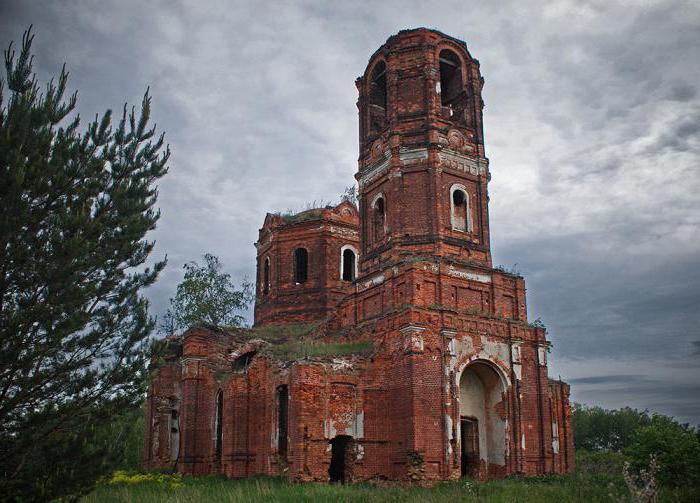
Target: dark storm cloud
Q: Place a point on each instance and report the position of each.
(696, 347)
(618, 379)
(592, 120)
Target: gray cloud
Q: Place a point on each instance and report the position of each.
(592, 119)
(606, 379)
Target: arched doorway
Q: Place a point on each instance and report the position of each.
(482, 429)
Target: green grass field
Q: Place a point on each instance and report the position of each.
(213, 489)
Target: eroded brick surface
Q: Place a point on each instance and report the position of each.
(413, 362)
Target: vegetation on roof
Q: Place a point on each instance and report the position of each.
(278, 334)
(313, 211)
(295, 350)
(293, 341)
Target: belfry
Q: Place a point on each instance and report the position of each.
(385, 343)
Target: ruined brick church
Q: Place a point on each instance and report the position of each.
(385, 343)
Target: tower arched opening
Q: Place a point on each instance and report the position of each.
(378, 219)
(459, 209)
(450, 77)
(482, 427)
(377, 98)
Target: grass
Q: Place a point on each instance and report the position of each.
(585, 488)
(294, 341)
(299, 349)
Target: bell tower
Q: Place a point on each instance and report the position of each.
(422, 169)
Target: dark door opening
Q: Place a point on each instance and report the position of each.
(469, 428)
(339, 451)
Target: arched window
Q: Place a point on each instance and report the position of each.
(266, 276)
(450, 77)
(219, 426)
(460, 217)
(301, 265)
(348, 263)
(378, 219)
(282, 419)
(377, 98)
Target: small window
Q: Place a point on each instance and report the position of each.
(378, 219)
(266, 276)
(282, 419)
(348, 265)
(459, 208)
(301, 265)
(218, 426)
(450, 78)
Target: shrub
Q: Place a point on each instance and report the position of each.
(172, 481)
(676, 447)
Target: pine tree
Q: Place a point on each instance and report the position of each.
(74, 210)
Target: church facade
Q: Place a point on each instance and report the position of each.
(385, 345)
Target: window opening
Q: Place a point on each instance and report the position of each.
(218, 438)
(378, 219)
(377, 98)
(282, 418)
(301, 263)
(450, 78)
(348, 265)
(460, 211)
(266, 276)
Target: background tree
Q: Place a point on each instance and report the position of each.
(606, 439)
(675, 446)
(74, 210)
(350, 194)
(600, 429)
(206, 296)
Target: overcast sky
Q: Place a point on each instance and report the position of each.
(592, 126)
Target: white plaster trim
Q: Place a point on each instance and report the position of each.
(459, 273)
(455, 160)
(377, 280)
(411, 329)
(505, 381)
(377, 169)
(412, 155)
(341, 231)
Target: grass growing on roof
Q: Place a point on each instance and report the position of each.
(294, 350)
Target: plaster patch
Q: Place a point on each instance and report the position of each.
(461, 273)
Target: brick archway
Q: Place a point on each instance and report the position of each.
(482, 428)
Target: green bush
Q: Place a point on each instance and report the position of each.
(598, 429)
(599, 463)
(676, 447)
